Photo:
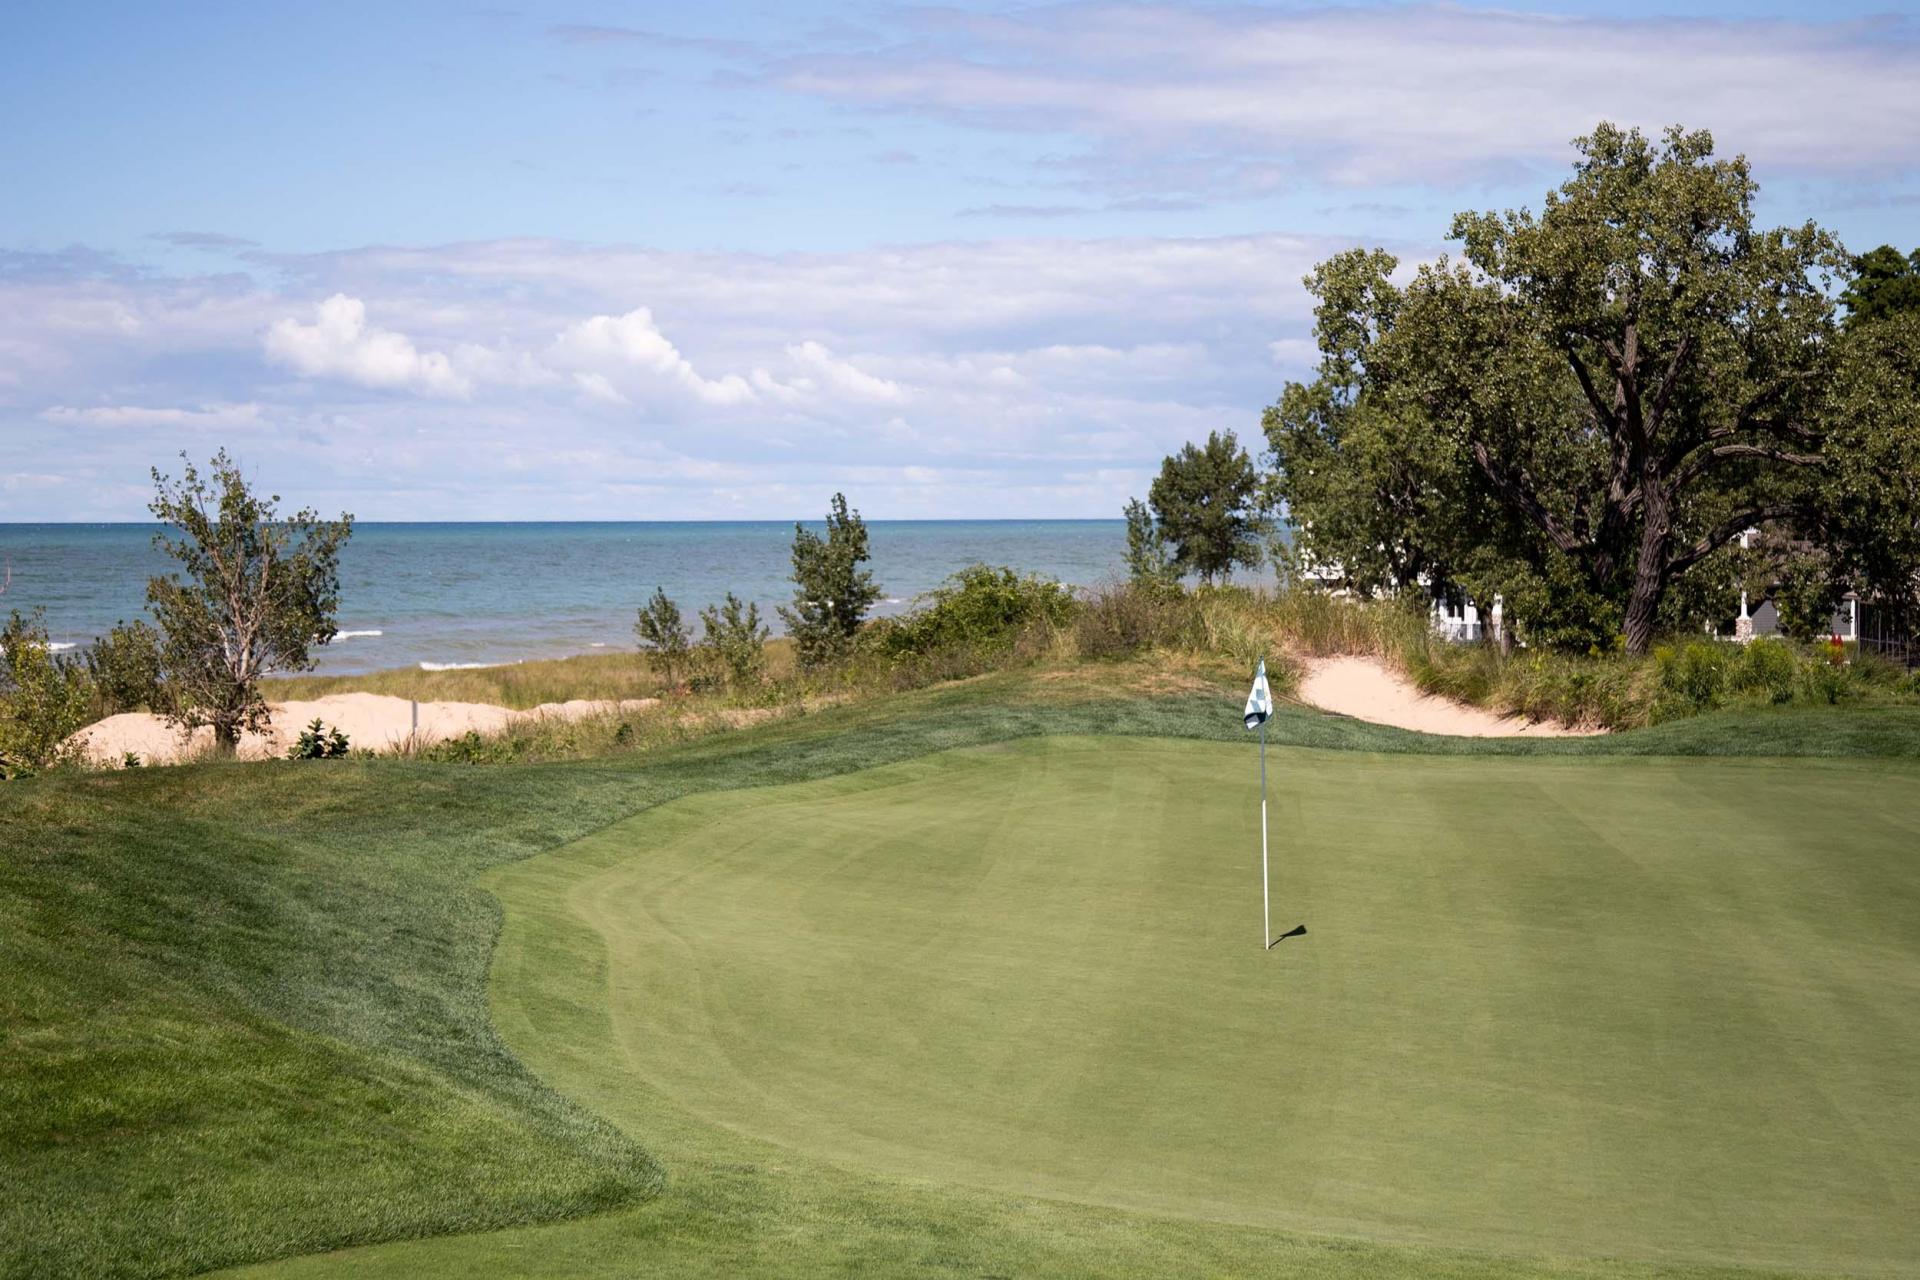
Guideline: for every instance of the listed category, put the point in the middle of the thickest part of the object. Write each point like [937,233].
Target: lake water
[449,594]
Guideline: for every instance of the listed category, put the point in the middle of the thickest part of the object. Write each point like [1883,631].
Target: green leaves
[832,593]
[1204,504]
[1598,399]
[256,593]
[664,635]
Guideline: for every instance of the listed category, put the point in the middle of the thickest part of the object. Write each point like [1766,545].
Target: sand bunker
[371,721]
[1366,689]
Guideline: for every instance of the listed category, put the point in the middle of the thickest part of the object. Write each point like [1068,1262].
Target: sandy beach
[371,721]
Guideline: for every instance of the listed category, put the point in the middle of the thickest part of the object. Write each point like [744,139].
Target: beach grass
[246,1008]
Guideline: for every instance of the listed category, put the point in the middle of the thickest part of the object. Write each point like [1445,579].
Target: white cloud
[340,344]
[529,378]
[817,362]
[1244,100]
[627,353]
[127,415]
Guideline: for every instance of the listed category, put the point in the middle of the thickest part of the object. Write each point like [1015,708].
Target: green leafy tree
[1203,502]
[664,635]
[1806,594]
[1149,563]
[1595,401]
[124,666]
[43,701]
[1884,283]
[735,640]
[256,592]
[832,593]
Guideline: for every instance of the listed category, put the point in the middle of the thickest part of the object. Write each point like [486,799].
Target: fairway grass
[245,1010]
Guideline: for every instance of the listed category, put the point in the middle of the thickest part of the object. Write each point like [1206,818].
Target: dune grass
[244,1015]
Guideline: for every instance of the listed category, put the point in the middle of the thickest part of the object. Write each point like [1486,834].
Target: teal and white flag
[1260,701]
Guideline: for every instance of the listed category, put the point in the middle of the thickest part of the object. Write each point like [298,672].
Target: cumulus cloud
[341,344]
[1245,100]
[614,353]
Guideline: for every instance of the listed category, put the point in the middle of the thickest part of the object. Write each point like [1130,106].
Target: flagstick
[1266,906]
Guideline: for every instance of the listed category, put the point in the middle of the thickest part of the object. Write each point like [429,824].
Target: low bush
[1120,619]
[124,666]
[1693,677]
[733,645]
[1767,667]
[43,700]
[980,609]
[317,742]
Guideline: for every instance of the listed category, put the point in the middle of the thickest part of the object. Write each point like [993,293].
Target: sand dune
[1366,689]
[371,721]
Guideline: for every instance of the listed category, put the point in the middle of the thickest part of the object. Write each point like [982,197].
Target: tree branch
[1700,463]
[1732,527]
[1600,409]
[1517,488]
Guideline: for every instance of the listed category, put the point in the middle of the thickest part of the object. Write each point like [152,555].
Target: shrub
[317,742]
[734,642]
[124,666]
[978,610]
[1118,620]
[1693,678]
[470,748]
[1824,682]
[43,700]
[1767,667]
[663,634]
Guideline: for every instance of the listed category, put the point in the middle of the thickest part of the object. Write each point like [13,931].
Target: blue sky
[649,261]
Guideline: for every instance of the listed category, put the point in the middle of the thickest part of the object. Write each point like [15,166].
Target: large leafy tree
[832,593]
[1592,405]
[1204,503]
[256,592]
[1884,284]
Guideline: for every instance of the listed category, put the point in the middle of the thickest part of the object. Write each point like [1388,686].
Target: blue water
[449,594]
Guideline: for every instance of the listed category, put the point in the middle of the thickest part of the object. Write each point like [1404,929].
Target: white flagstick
[1266,907]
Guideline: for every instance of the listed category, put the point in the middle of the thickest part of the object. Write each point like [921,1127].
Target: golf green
[1643,1009]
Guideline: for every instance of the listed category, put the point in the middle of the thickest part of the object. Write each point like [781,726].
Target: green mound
[1545,1007]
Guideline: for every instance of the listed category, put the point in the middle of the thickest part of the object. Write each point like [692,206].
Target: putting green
[1633,1008]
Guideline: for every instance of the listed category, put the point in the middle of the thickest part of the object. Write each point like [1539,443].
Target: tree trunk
[1650,570]
[226,735]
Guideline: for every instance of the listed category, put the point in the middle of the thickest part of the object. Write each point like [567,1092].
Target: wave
[345,635]
[461,666]
[61,646]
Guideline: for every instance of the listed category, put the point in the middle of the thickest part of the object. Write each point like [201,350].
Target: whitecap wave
[61,646]
[459,666]
[347,635]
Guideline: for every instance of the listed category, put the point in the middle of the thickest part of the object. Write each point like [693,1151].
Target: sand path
[371,721]
[1366,689]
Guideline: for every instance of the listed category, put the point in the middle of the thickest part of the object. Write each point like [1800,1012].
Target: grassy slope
[228,987]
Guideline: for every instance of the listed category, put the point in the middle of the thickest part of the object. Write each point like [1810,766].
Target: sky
[718,261]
